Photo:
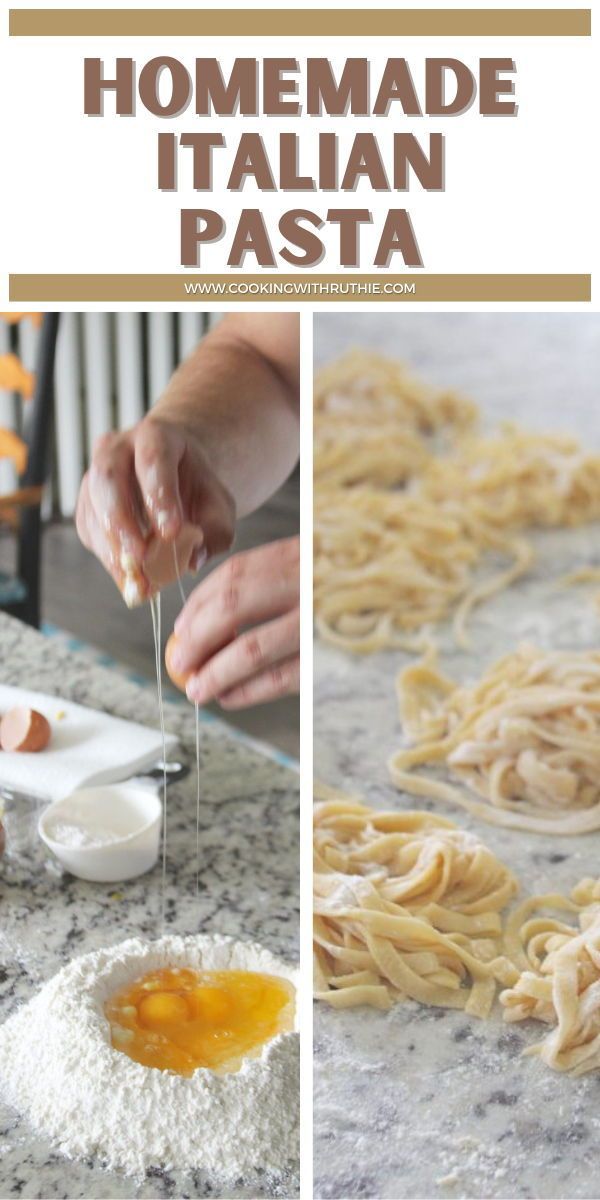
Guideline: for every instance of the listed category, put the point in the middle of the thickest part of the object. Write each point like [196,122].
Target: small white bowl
[104,834]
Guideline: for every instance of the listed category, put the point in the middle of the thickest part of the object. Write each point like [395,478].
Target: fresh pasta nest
[519,480]
[559,982]
[525,738]
[374,421]
[406,906]
[386,565]
[410,501]
[367,387]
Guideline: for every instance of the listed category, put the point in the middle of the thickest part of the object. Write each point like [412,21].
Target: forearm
[242,409]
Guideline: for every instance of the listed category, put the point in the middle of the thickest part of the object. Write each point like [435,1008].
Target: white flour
[76,836]
[57,1066]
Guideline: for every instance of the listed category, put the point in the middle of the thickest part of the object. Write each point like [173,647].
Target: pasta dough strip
[406,906]
[559,981]
[390,563]
[526,739]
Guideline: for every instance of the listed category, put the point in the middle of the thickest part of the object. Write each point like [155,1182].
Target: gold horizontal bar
[299,22]
[292,289]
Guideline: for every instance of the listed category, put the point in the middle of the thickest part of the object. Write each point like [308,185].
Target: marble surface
[422,1102]
[248,887]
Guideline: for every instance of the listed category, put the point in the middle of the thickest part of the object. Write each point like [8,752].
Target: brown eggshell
[159,559]
[24,730]
[179,680]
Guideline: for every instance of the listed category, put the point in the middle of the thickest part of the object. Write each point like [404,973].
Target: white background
[80,194]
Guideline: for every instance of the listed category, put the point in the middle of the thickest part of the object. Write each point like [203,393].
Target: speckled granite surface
[422,1102]
[248,888]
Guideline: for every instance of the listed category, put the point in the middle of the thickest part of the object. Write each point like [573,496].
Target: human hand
[145,484]
[256,592]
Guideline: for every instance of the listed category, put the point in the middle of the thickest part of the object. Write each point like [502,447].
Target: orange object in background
[15,377]
[12,446]
[13,318]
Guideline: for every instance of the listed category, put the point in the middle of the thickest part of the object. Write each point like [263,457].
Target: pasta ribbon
[525,739]
[411,504]
[559,981]
[406,906]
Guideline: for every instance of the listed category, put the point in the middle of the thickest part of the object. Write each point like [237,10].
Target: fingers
[94,537]
[152,479]
[281,680]
[246,658]
[248,588]
[113,495]
[92,534]
[157,455]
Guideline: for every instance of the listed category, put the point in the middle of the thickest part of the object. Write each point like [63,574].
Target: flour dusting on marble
[425,1103]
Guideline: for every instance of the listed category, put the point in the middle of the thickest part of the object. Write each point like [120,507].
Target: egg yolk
[176,1019]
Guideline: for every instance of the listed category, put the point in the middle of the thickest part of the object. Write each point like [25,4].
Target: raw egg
[176,1019]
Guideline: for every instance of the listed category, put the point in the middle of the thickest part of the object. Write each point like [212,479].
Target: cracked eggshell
[162,559]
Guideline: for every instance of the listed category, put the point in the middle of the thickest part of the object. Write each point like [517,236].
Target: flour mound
[57,1066]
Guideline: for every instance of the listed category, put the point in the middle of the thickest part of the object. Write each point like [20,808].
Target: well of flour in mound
[175,1019]
[58,1067]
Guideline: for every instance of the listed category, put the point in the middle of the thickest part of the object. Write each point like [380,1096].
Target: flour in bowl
[58,1067]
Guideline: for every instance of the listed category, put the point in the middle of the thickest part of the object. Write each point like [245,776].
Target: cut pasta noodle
[519,480]
[373,425]
[407,906]
[559,981]
[392,562]
[386,566]
[584,575]
[358,452]
[364,390]
[526,739]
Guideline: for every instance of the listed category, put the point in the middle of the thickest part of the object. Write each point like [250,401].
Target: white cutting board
[86,748]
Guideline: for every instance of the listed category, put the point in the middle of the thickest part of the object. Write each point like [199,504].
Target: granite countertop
[425,1102]
[248,887]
